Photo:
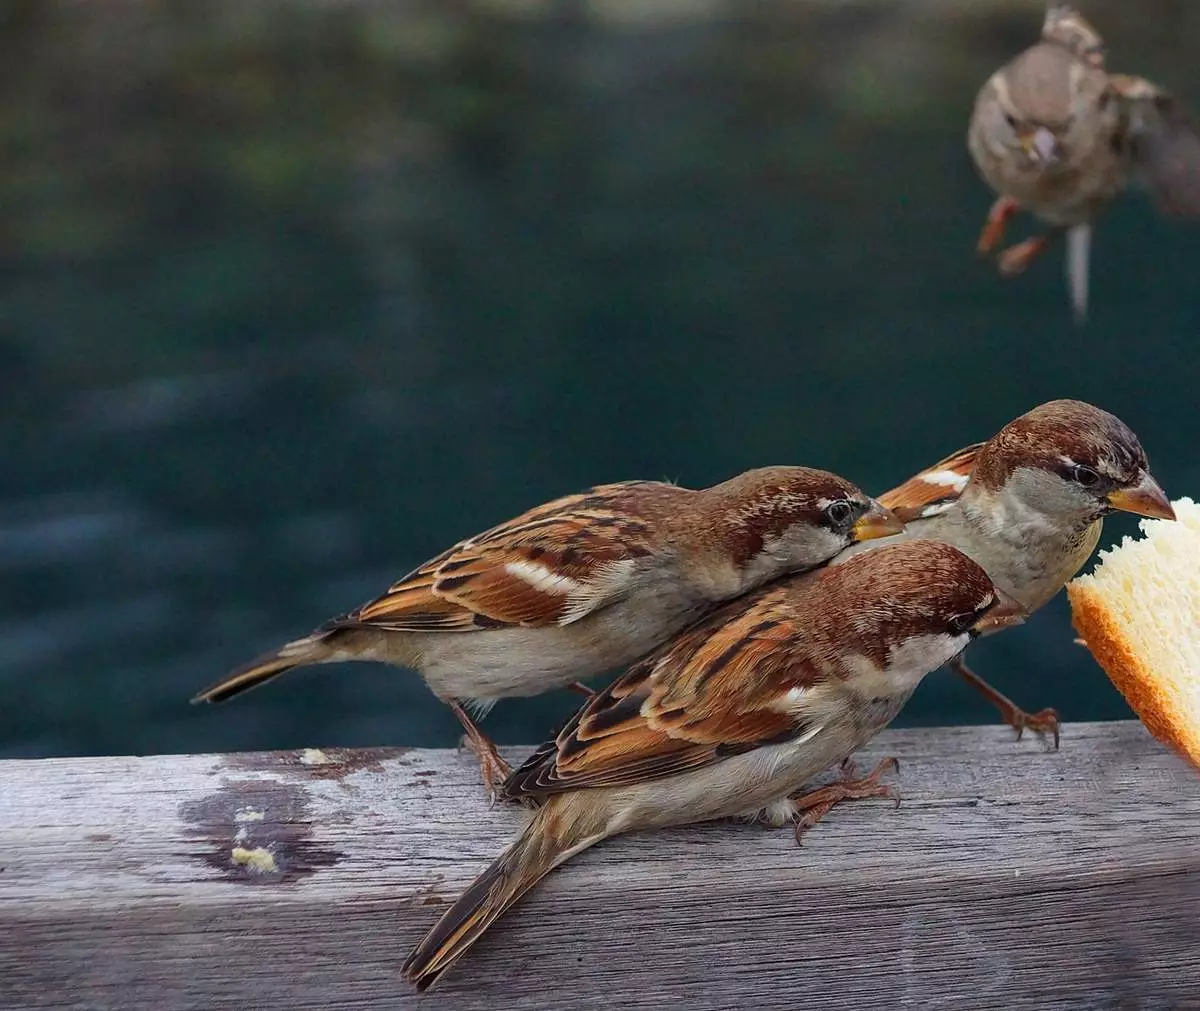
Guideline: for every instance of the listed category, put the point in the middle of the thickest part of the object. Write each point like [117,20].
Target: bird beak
[876,522]
[1040,146]
[1005,613]
[1145,498]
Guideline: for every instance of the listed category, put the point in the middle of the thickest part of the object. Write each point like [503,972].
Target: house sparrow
[733,716]
[1028,506]
[1055,134]
[583,584]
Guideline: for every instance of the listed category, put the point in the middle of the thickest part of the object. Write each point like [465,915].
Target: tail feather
[1079,244]
[261,669]
[523,865]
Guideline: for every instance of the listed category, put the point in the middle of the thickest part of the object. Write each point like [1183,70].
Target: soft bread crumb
[1139,613]
[258,860]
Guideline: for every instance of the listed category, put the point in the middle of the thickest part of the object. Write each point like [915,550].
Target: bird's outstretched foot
[1043,722]
[812,807]
[494,769]
[997,221]
[1015,259]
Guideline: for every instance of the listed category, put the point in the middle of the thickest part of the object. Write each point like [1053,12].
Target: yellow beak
[876,522]
[1039,145]
[1145,498]
[1005,613]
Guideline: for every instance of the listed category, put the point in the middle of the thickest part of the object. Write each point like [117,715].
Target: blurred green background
[293,294]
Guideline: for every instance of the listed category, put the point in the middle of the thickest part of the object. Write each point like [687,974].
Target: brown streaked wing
[1166,145]
[554,564]
[711,692]
[934,488]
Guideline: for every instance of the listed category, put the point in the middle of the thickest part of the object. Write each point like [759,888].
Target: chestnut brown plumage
[583,584]
[733,716]
[1055,134]
[1029,505]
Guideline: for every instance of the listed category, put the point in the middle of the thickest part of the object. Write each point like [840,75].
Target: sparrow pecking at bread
[1055,134]
[1029,505]
[583,584]
[733,716]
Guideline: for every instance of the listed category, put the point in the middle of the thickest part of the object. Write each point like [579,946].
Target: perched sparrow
[1055,134]
[733,716]
[583,584]
[1028,506]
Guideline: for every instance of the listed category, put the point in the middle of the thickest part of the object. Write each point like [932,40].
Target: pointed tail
[309,650]
[548,840]
[1079,245]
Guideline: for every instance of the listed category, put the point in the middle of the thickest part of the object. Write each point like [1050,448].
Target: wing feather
[554,564]
[1165,144]
[722,687]
[935,488]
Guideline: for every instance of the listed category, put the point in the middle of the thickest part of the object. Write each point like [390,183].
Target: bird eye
[1011,120]
[839,513]
[961,623]
[1085,477]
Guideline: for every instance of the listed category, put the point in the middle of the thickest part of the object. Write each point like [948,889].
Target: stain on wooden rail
[257,832]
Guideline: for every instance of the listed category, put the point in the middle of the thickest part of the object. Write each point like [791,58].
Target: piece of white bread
[1139,614]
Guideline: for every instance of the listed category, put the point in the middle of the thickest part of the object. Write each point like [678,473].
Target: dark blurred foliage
[293,294]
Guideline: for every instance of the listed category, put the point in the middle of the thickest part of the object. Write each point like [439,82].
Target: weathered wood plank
[1010,878]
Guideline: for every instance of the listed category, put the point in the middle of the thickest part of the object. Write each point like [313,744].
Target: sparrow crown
[904,590]
[757,510]
[1066,27]
[1067,438]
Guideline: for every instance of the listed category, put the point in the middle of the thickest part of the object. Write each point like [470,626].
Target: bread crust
[1142,687]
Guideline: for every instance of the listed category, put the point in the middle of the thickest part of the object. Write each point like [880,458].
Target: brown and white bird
[733,716]
[1055,134]
[583,584]
[1029,505]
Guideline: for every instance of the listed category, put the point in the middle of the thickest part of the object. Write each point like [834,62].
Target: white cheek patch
[542,579]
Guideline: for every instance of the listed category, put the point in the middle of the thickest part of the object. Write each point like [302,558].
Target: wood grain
[1011,877]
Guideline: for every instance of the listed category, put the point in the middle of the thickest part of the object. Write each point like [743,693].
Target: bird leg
[494,769]
[813,806]
[997,220]
[1015,259]
[1045,721]
[579,686]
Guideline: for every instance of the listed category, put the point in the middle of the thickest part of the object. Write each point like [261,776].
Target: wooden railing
[1010,877]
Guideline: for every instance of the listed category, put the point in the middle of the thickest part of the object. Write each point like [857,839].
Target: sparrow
[581,585]
[1054,133]
[1029,505]
[733,716]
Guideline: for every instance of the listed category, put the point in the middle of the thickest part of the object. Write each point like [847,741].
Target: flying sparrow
[1055,134]
[733,716]
[1028,506]
[583,584]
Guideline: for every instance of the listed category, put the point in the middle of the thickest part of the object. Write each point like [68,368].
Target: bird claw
[493,769]
[1043,722]
[813,806]
[997,220]
[1015,259]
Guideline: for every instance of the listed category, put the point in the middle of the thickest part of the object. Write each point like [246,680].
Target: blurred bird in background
[1055,134]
